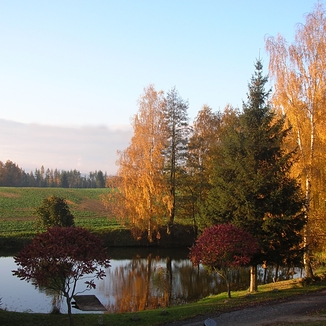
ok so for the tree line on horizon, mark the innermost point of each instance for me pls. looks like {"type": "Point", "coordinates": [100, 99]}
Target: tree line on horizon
{"type": "Point", "coordinates": [11, 175]}
{"type": "Point", "coordinates": [261, 168]}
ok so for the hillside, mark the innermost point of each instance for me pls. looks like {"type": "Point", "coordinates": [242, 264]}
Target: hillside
{"type": "Point", "coordinates": [17, 207]}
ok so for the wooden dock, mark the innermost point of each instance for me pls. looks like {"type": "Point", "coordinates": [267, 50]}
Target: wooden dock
{"type": "Point", "coordinates": [88, 303]}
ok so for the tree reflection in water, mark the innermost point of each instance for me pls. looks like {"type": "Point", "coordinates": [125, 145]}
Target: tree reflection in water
{"type": "Point", "coordinates": [150, 279]}
{"type": "Point", "coordinates": [153, 282]}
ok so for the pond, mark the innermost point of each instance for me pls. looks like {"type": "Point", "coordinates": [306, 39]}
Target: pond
{"type": "Point", "coordinates": [138, 279]}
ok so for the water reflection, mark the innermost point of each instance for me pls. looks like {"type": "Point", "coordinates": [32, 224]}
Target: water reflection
{"type": "Point", "coordinates": [156, 281]}
{"type": "Point", "coordinates": [141, 280]}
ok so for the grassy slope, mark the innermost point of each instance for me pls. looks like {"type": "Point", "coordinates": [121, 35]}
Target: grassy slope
{"type": "Point", "coordinates": [17, 207]}
{"type": "Point", "coordinates": [17, 219]}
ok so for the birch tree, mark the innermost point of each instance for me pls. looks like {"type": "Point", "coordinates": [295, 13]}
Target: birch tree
{"type": "Point", "coordinates": [142, 200]}
{"type": "Point", "coordinates": [299, 74]}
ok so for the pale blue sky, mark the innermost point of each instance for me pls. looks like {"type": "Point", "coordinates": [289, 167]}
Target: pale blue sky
{"type": "Point", "coordinates": [85, 63]}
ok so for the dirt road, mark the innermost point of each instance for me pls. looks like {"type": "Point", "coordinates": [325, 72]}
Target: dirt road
{"type": "Point", "coordinates": [300, 308]}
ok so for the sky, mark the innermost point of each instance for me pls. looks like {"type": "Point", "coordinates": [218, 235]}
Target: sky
{"type": "Point", "coordinates": [71, 72]}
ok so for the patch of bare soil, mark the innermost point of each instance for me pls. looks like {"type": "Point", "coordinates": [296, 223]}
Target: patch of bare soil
{"type": "Point", "coordinates": [20, 219]}
{"type": "Point", "coordinates": [9, 195]}
{"type": "Point", "coordinates": [91, 205]}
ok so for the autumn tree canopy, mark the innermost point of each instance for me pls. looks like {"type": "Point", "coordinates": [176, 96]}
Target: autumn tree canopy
{"type": "Point", "coordinates": [194, 182]}
{"type": "Point", "coordinates": [223, 247]}
{"type": "Point", "coordinates": [61, 256]}
{"type": "Point", "coordinates": [143, 200]}
{"type": "Point", "coordinates": [298, 70]}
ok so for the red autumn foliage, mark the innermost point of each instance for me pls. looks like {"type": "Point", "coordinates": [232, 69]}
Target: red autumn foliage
{"type": "Point", "coordinates": [223, 246]}
{"type": "Point", "coordinates": [61, 256]}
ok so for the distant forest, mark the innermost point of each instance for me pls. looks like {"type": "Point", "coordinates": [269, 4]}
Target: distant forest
{"type": "Point", "coordinates": [11, 175]}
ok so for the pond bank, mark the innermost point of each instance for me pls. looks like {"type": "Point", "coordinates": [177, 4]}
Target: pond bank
{"type": "Point", "coordinates": [179, 315]}
{"type": "Point", "coordinates": [182, 236]}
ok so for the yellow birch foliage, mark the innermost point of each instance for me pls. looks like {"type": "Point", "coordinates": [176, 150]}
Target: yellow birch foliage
{"type": "Point", "coordinates": [142, 200]}
{"type": "Point", "coordinates": [299, 72]}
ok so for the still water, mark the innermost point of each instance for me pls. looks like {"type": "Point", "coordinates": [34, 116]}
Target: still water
{"type": "Point", "coordinates": [137, 280]}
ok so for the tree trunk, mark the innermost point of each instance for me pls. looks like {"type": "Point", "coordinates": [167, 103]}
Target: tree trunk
{"type": "Point", "coordinates": [276, 273]}
{"type": "Point", "coordinates": [265, 275]}
{"type": "Point", "coordinates": [172, 212]}
{"type": "Point", "coordinates": [306, 238]}
{"type": "Point", "coordinates": [306, 233]}
{"type": "Point", "coordinates": [228, 288]}
{"type": "Point", "coordinates": [307, 263]}
{"type": "Point", "coordinates": [149, 231]}
{"type": "Point", "coordinates": [253, 279]}
{"type": "Point", "coordinates": [71, 319]}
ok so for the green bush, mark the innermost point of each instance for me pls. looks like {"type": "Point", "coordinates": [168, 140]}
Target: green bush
{"type": "Point", "coordinates": [54, 211]}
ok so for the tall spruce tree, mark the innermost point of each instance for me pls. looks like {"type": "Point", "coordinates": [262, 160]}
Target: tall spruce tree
{"type": "Point", "coordinates": [251, 185]}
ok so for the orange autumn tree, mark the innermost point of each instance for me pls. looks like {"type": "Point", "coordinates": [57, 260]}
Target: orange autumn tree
{"type": "Point", "coordinates": [142, 200]}
{"type": "Point", "coordinates": [299, 73]}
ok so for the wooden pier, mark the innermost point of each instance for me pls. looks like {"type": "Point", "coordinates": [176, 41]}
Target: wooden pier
{"type": "Point", "coordinates": [88, 303]}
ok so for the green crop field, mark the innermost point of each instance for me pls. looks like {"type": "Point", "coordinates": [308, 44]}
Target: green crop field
{"type": "Point", "coordinates": [17, 206]}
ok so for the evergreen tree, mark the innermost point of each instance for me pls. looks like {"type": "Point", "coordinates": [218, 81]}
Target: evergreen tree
{"type": "Point", "coordinates": [54, 211]}
{"type": "Point", "coordinates": [251, 185]}
{"type": "Point", "coordinates": [64, 182]}
{"type": "Point", "coordinates": [100, 179]}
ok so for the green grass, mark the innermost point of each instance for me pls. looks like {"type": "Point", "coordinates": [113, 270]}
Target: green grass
{"type": "Point", "coordinates": [205, 307]}
{"type": "Point", "coordinates": [21, 202]}
{"type": "Point", "coordinates": [17, 206]}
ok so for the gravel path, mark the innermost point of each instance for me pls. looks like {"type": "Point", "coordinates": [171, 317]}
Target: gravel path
{"type": "Point", "coordinates": [296, 309]}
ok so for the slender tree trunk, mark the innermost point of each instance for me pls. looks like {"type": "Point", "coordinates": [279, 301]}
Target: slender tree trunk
{"type": "Point", "coordinates": [253, 279]}
{"type": "Point", "coordinates": [306, 240]}
{"type": "Point", "coordinates": [265, 275]}
{"type": "Point", "coordinates": [306, 234]}
{"type": "Point", "coordinates": [172, 183]}
{"type": "Point", "coordinates": [149, 231]}
{"type": "Point", "coordinates": [276, 272]}
{"type": "Point", "coordinates": [228, 288]}
{"type": "Point", "coordinates": [308, 175]}
{"type": "Point", "coordinates": [71, 318]}
{"type": "Point", "coordinates": [172, 212]}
